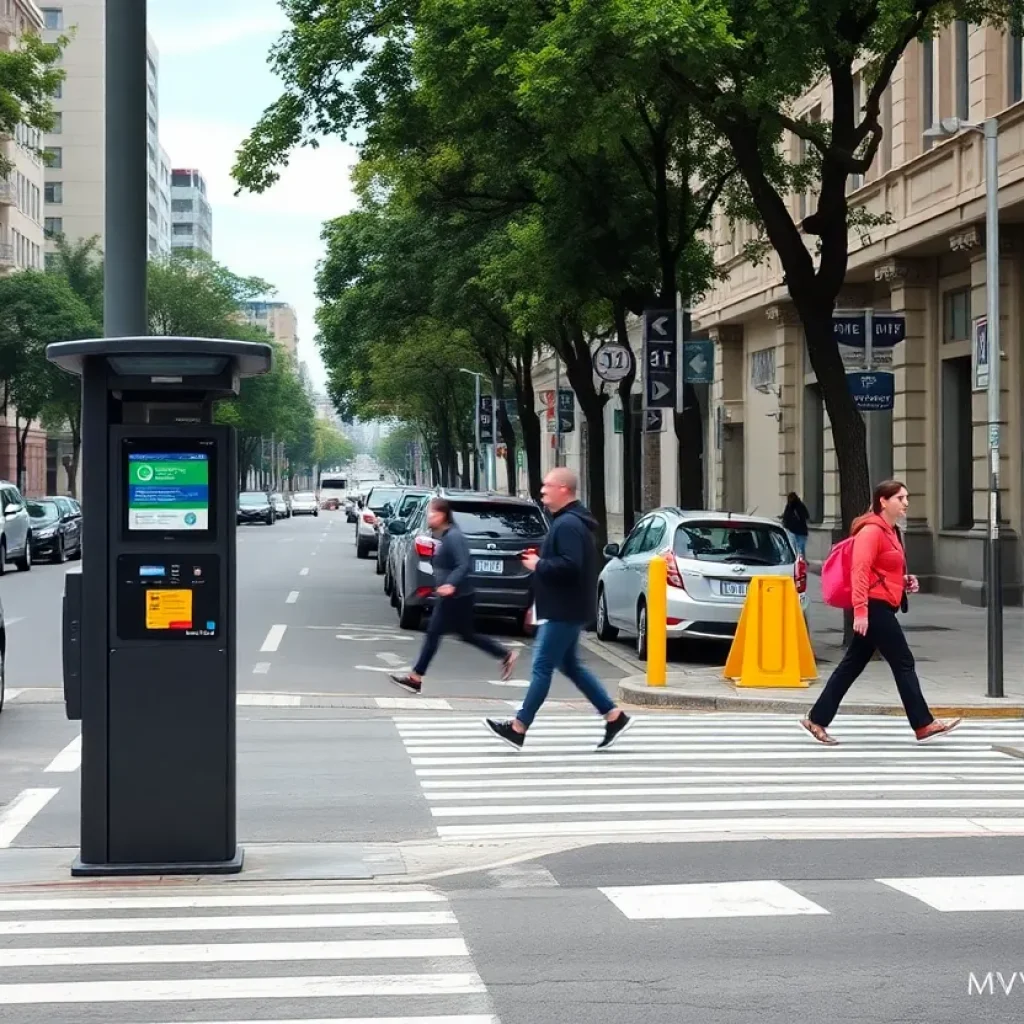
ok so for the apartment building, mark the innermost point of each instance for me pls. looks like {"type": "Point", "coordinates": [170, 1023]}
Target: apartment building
{"type": "Point", "coordinates": [766, 428]}
{"type": "Point", "coordinates": [75, 179]}
{"type": "Point", "coordinates": [21, 235]}
{"type": "Point", "coordinates": [191, 213]}
{"type": "Point", "coordinates": [277, 319]}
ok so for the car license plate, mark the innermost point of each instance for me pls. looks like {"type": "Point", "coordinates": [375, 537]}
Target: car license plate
{"type": "Point", "coordinates": [731, 589]}
{"type": "Point", "coordinates": [489, 565]}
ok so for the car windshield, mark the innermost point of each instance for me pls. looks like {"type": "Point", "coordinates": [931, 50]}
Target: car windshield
{"type": "Point", "coordinates": [482, 519]}
{"type": "Point", "coordinates": [43, 511]}
{"type": "Point", "coordinates": [252, 499]}
{"type": "Point", "coordinates": [381, 496]}
{"type": "Point", "coordinates": [735, 543]}
{"type": "Point", "coordinates": [303, 496]}
{"type": "Point", "coordinates": [410, 503]}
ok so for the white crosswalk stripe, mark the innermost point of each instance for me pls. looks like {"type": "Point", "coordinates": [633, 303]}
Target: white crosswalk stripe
{"type": "Point", "coordinates": [324, 955]}
{"type": "Point", "coordinates": [725, 773]}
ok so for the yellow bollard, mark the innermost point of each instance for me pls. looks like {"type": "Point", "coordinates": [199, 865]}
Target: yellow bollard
{"type": "Point", "coordinates": [657, 615]}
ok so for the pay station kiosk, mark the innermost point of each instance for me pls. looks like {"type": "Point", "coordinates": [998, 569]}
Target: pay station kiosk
{"type": "Point", "coordinates": [149, 624]}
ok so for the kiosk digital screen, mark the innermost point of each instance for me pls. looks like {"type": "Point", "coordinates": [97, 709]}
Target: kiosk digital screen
{"type": "Point", "coordinates": [169, 491]}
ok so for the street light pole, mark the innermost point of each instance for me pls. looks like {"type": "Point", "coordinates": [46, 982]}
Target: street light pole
{"type": "Point", "coordinates": [994, 602]}
{"type": "Point", "coordinates": [476, 422]}
{"type": "Point", "coordinates": [989, 129]}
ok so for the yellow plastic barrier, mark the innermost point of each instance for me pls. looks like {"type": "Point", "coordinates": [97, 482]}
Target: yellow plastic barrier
{"type": "Point", "coordinates": [657, 614]}
{"type": "Point", "coordinates": [772, 647]}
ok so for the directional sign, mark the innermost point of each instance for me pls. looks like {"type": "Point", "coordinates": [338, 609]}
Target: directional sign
{"type": "Point", "coordinates": [699, 362]}
{"type": "Point", "coordinates": [612, 361]}
{"type": "Point", "coordinates": [566, 410]}
{"type": "Point", "coordinates": [980, 354]}
{"type": "Point", "coordinates": [660, 348]}
{"type": "Point", "coordinates": [872, 392]}
{"type": "Point", "coordinates": [486, 419]}
{"type": "Point", "coordinates": [653, 421]}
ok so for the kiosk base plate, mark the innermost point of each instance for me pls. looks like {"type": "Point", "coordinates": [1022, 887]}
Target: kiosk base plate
{"type": "Point", "coordinates": [81, 869]}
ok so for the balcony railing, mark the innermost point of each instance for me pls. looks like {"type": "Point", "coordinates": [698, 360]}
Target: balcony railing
{"type": "Point", "coordinates": [6, 254]}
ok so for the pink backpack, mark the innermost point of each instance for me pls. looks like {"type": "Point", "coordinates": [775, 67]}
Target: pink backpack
{"type": "Point", "coordinates": [837, 576]}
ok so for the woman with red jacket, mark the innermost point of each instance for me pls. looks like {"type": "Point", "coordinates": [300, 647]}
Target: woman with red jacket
{"type": "Point", "coordinates": [880, 581]}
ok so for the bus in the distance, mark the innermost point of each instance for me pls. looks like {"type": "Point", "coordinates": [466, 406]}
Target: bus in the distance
{"type": "Point", "coordinates": [333, 489]}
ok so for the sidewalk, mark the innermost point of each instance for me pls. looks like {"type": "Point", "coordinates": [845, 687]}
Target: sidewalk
{"type": "Point", "coordinates": [949, 644]}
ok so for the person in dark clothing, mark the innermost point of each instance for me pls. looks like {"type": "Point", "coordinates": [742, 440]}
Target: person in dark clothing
{"type": "Point", "coordinates": [795, 518]}
{"type": "Point", "coordinates": [564, 582]}
{"type": "Point", "coordinates": [453, 609]}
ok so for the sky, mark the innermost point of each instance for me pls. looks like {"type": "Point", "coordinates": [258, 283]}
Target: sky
{"type": "Point", "coordinates": [215, 82]}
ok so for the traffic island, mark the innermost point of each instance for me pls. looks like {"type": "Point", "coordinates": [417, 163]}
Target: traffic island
{"type": "Point", "coordinates": [705, 690]}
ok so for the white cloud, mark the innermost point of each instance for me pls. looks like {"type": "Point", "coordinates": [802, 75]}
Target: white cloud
{"type": "Point", "coordinates": [176, 37]}
{"type": "Point", "coordinates": [315, 183]}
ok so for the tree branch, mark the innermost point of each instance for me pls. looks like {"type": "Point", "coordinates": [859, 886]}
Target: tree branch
{"type": "Point", "coordinates": [641, 166]}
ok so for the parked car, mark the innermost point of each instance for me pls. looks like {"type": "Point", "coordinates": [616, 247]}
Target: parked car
{"type": "Point", "coordinates": [408, 501]}
{"type": "Point", "coordinates": [498, 529]}
{"type": "Point", "coordinates": [351, 506]}
{"type": "Point", "coordinates": [712, 556]}
{"type": "Point", "coordinates": [255, 507]}
{"type": "Point", "coordinates": [3, 655]}
{"type": "Point", "coordinates": [281, 509]}
{"type": "Point", "coordinates": [56, 529]}
{"type": "Point", "coordinates": [304, 503]}
{"type": "Point", "coordinates": [15, 530]}
{"type": "Point", "coordinates": [379, 504]}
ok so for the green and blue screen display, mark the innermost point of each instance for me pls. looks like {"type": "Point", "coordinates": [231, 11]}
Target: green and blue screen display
{"type": "Point", "coordinates": [169, 491]}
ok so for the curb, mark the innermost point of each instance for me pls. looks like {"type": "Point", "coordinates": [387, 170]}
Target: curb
{"type": "Point", "coordinates": [636, 692]}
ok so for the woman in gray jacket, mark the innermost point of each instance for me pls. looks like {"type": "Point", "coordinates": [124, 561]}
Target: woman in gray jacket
{"type": "Point", "coordinates": [453, 609]}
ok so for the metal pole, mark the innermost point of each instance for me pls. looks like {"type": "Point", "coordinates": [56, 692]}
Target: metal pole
{"type": "Point", "coordinates": [126, 218]}
{"type": "Point", "coordinates": [476, 427]}
{"type": "Point", "coordinates": [558, 411]}
{"type": "Point", "coordinates": [492, 462]}
{"type": "Point", "coordinates": [994, 602]}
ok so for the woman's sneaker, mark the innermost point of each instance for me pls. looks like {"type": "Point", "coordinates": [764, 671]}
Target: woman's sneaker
{"type": "Point", "coordinates": [614, 729]}
{"type": "Point", "coordinates": [407, 683]}
{"type": "Point", "coordinates": [506, 733]}
{"type": "Point", "coordinates": [936, 728]}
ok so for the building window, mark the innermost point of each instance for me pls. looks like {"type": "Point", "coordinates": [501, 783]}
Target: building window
{"type": "Point", "coordinates": [927, 88]}
{"type": "Point", "coordinates": [1015, 69]}
{"type": "Point", "coordinates": [152, 125]}
{"type": "Point", "coordinates": [957, 450]}
{"type": "Point", "coordinates": [182, 205]}
{"type": "Point", "coordinates": [54, 192]}
{"type": "Point", "coordinates": [58, 123]}
{"type": "Point", "coordinates": [813, 489]}
{"type": "Point", "coordinates": [856, 181]}
{"type": "Point", "coordinates": [58, 91]}
{"type": "Point", "coordinates": [54, 157]}
{"type": "Point", "coordinates": [956, 316]}
{"type": "Point", "coordinates": [807, 198]}
{"type": "Point", "coordinates": [53, 17]}
{"type": "Point", "coordinates": [962, 61]}
{"type": "Point", "coordinates": [53, 226]}
{"type": "Point", "coordinates": [182, 229]}
{"type": "Point", "coordinates": [50, 260]}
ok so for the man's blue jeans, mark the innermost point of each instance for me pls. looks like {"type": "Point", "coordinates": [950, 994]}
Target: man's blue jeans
{"type": "Point", "coordinates": [556, 648]}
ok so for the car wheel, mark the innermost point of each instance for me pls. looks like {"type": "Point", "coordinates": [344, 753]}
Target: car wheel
{"type": "Point", "coordinates": [379, 566]}
{"type": "Point", "coordinates": [604, 631]}
{"type": "Point", "coordinates": [3, 557]}
{"type": "Point", "coordinates": [387, 580]}
{"type": "Point", "coordinates": [78, 551]}
{"type": "Point", "coordinates": [3, 673]}
{"type": "Point", "coordinates": [641, 631]}
{"type": "Point", "coordinates": [25, 562]}
{"type": "Point", "coordinates": [408, 617]}
{"type": "Point", "coordinates": [362, 551]}
{"type": "Point", "coordinates": [60, 555]}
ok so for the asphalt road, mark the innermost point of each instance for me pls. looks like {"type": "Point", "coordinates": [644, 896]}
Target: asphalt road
{"type": "Point", "coordinates": [671, 879]}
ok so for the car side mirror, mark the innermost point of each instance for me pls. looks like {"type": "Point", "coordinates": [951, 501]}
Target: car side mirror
{"type": "Point", "coordinates": [397, 527]}
{"type": "Point", "coordinates": [611, 551]}
{"type": "Point", "coordinates": [11, 510]}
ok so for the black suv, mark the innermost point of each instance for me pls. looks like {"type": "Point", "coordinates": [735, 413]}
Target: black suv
{"type": "Point", "coordinates": [497, 528]}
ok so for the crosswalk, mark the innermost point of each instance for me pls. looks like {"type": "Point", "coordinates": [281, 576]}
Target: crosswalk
{"type": "Point", "coordinates": [323, 955]}
{"type": "Point", "coordinates": [700, 774]}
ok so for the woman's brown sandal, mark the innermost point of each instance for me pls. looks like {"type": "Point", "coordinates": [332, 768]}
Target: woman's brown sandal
{"type": "Point", "coordinates": [818, 733]}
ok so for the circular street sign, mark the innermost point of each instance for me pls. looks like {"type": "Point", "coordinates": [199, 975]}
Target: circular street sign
{"type": "Point", "coordinates": [612, 361]}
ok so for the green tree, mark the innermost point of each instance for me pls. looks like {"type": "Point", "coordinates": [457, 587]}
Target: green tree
{"type": "Point", "coordinates": [36, 309]}
{"type": "Point", "coordinates": [29, 77]}
{"type": "Point", "coordinates": [331, 447]}
{"type": "Point", "coordinates": [394, 451]}
{"type": "Point", "coordinates": [80, 263]}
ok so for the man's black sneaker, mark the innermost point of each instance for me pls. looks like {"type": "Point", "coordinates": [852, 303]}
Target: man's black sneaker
{"type": "Point", "coordinates": [408, 683]}
{"type": "Point", "coordinates": [613, 730]}
{"type": "Point", "coordinates": [505, 733]}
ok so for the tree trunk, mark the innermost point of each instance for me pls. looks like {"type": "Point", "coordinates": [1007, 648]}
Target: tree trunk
{"type": "Point", "coordinates": [689, 428]}
{"type": "Point", "coordinates": [435, 468]}
{"type": "Point", "coordinates": [508, 435]}
{"type": "Point", "coordinates": [21, 439]}
{"type": "Point", "coordinates": [628, 426]}
{"type": "Point", "coordinates": [467, 472]}
{"type": "Point", "coordinates": [529, 422]}
{"type": "Point", "coordinates": [76, 457]}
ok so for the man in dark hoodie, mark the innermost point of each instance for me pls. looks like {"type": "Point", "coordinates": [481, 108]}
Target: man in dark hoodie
{"type": "Point", "coordinates": [564, 582]}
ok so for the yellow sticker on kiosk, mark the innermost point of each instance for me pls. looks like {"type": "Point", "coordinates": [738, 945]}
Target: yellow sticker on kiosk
{"type": "Point", "coordinates": [169, 609]}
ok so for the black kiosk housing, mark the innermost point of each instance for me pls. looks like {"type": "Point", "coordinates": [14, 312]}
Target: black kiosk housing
{"type": "Point", "coordinates": [149, 624]}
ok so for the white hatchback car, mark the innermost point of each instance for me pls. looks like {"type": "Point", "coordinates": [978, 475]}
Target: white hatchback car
{"type": "Point", "coordinates": [712, 556]}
